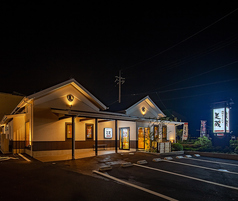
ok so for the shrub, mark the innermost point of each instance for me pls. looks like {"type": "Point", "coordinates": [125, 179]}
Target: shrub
{"type": "Point", "coordinates": [203, 142]}
{"type": "Point", "coordinates": [177, 147]}
{"type": "Point", "coordinates": [236, 150]}
{"type": "Point", "coordinates": [233, 144]}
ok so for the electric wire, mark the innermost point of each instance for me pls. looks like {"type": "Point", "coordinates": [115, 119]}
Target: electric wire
{"type": "Point", "coordinates": [182, 61]}
{"type": "Point", "coordinates": [203, 73]}
{"type": "Point", "coordinates": [182, 88]}
{"type": "Point", "coordinates": [204, 94]}
{"type": "Point", "coordinates": [188, 59]}
{"type": "Point", "coordinates": [198, 32]}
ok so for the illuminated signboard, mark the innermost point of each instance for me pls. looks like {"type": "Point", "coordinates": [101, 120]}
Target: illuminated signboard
{"type": "Point", "coordinates": [107, 133]}
{"type": "Point", "coordinates": [219, 123]}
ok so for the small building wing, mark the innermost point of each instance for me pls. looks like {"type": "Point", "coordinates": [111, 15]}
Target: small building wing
{"type": "Point", "coordinates": [145, 108]}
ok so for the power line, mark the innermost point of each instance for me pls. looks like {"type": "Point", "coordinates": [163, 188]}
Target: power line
{"type": "Point", "coordinates": [179, 62]}
{"type": "Point", "coordinates": [199, 74]}
{"type": "Point", "coordinates": [195, 86]}
{"type": "Point", "coordinates": [182, 88]}
{"type": "Point", "coordinates": [182, 40]}
{"type": "Point", "coordinates": [195, 95]}
{"type": "Point", "coordinates": [188, 59]}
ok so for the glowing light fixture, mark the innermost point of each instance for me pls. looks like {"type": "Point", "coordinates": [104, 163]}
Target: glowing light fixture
{"type": "Point", "coordinates": [143, 110]}
{"type": "Point", "coordinates": [70, 99]}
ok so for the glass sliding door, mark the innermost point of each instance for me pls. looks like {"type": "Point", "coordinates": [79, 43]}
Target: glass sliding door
{"type": "Point", "coordinates": [124, 138]}
{"type": "Point", "coordinates": [147, 138]}
{"type": "Point", "coordinates": [141, 138]}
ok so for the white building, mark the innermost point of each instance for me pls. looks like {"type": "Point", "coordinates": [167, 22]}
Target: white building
{"type": "Point", "coordinates": [66, 118]}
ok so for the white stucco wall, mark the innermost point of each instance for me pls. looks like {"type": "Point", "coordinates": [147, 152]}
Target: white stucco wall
{"type": "Point", "coordinates": [107, 124]}
{"type": "Point", "coordinates": [18, 129]}
{"type": "Point", "coordinates": [48, 127]}
{"type": "Point", "coordinates": [171, 132]}
{"type": "Point", "coordinates": [52, 129]}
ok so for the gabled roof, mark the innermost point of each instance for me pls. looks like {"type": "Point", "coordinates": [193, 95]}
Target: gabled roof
{"type": "Point", "coordinates": [148, 100]}
{"type": "Point", "coordinates": [8, 102]}
{"type": "Point", "coordinates": [75, 84]}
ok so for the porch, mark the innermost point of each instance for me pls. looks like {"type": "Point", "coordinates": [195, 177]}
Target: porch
{"type": "Point", "coordinates": [79, 153]}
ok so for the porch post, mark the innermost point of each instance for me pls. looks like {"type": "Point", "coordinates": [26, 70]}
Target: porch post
{"type": "Point", "coordinates": [115, 136]}
{"type": "Point", "coordinates": [73, 137]}
{"type": "Point", "coordinates": [96, 136]}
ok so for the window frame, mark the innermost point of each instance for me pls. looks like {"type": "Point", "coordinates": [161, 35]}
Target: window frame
{"type": "Point", "coordinates": [66, 129]}
{"type": "Point", "coordinates": [86, 137]}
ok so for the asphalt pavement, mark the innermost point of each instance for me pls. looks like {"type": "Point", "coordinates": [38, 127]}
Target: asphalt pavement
{"type": "Point", "coordinates": [196, 178]}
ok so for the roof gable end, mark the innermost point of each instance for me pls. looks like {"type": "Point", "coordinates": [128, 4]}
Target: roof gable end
{"type": "Point", "coordinates": [151, 109]}
{"type": "Point", "coordinates": [76, 85]}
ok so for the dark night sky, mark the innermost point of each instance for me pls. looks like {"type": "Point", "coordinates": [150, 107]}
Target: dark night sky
{"type": "Point", "coordinates": [184, 56]}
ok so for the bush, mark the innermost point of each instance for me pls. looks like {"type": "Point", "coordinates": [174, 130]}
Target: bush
{"type": "Point", "coordinates": [177, 147]}
{"type": "Point", "coordinates": [203, 142]}
{"type": "Point", "coordinates": [236, 150]}
{"type": "Point", "coordinates": [233, 144]}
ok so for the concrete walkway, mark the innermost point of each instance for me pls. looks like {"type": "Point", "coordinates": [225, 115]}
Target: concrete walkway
{"type": "Point", "coordinates": [82, 154]}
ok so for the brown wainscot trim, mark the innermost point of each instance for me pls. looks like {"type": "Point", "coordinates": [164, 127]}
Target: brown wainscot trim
{"type": "Point", "coordinates": [63, 145]}
{"type": "Point", "coordinates": [17, 144]}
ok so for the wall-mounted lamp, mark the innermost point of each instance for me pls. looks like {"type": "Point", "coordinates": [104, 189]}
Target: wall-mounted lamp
{"type": "Point", "coordinates": [143, 110]}
{"type": "Point", "coordinates": [70, 99]}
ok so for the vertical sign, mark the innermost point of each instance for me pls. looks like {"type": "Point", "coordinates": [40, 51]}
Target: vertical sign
{"type": "Point", "coordinates": [185, 131]}
{"type": "Point", "coordinates": [203, 129]}
{"type": "Point", "coordinates": [227, 120]}
{"type": "Point", "coordinates": [219, 120]}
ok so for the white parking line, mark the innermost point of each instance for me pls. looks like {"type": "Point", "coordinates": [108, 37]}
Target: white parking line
{"type": "Point", "coordinates": [24, 157]}
{"type": "Point", "coordinates": [212, 161]}
{"type": "Point", "coordinates": [194, 178]}
{"type": "Point", "coordinates": [197, 166]}
{"type": "Point", "coordinates": [135, 186]}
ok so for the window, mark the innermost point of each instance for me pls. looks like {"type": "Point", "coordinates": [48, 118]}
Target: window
{"type": "Point", "coordinates": [164, 132]}
{"type": "Point", "coordinates": [89, 131]}
{"type": "Point", "coordinates": [156, 132]}
{"type": "Point", "coordinates": [68, 130]}
{"type": "Point", "coordinates": [141, 138]}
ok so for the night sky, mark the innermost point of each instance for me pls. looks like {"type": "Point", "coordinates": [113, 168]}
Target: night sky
{"type": "Point", "coordinates": [184, 56]}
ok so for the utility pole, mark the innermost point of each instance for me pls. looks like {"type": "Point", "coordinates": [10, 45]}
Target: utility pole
{"type": "Point", "coordinates": [120, 80]}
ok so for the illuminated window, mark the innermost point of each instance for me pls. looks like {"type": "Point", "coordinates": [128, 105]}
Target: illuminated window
{"type": "Point", "coordinates": [89, 131]}
{"type": "Point", "coordinates": [141, 138]}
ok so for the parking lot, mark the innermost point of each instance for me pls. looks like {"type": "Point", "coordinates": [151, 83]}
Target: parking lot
{"type": "Point", "coordinates": [193, 178]}
{"type": "Point", "coordinates": [181, 178]}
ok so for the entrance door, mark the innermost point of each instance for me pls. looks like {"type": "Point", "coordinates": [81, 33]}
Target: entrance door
{"type": "Point", "coordinates": [125, 138]}
{"type": "Point", "coordinates": [141, 138]}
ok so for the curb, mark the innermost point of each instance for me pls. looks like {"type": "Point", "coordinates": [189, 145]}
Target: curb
{"type": "Point", "coordinates": [214, 155]}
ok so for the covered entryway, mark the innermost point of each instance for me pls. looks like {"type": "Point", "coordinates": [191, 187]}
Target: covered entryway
{"type": "Point", "coordinates": [103, 131]}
